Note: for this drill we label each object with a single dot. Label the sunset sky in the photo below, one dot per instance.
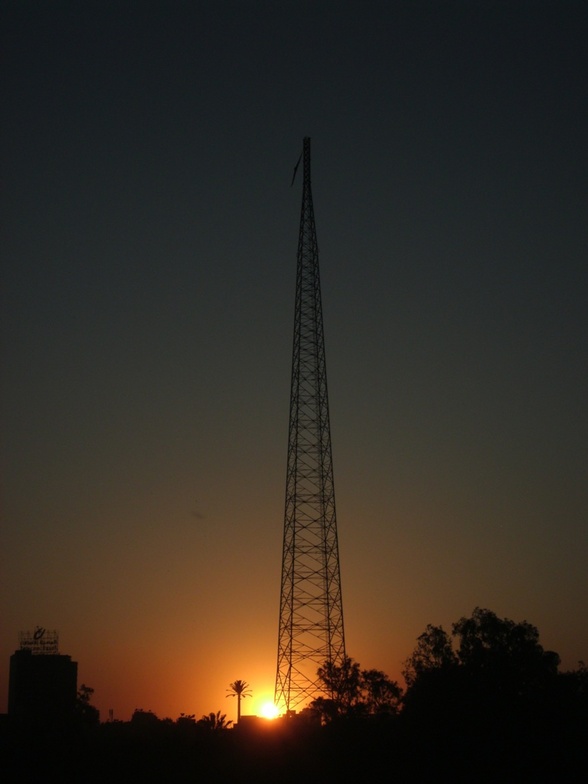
(149, 236)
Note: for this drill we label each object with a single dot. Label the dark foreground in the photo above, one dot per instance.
(380, 751)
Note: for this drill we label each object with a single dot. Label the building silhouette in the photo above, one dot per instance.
(311, 629)
(42, 687)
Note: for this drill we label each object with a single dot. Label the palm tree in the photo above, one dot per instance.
(215, 722)
(239, 689)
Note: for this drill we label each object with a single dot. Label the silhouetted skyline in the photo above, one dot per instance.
(149, 259)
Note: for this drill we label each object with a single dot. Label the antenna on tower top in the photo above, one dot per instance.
(296, 169)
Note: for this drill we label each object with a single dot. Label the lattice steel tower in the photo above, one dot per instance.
(311, 607)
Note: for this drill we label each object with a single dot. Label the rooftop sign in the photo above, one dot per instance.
(40, 641)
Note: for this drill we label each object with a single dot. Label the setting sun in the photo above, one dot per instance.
(268, 710)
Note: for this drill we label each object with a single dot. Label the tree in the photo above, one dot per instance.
(343, 684)
(504, 651)
(355, 692)
(185, 722)
(494, 674)
(239, 689)
(433, 681)
(380, 695)
(184, 718)
(327, 710)
(433, 652)
(142, 718)
(88, 714)
(214, 722)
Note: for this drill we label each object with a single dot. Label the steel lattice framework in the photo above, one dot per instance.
(311, 607)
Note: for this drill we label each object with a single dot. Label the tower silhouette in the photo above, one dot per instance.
(311, 608)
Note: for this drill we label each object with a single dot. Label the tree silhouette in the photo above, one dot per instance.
(505, 648)
(434, 652)
(493, 676)
(144, 718)
(490, 696)
(239, 689)
(214, 722)
(86, 713)
(343, 683)
(355, 692)
(380, 695)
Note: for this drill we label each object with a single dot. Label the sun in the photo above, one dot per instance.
(268, 710)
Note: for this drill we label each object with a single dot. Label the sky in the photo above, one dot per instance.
(149, 236)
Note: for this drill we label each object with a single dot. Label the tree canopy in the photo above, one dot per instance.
(355, 692)
(490, 671)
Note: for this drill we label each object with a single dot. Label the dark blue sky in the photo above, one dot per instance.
(149, 251)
